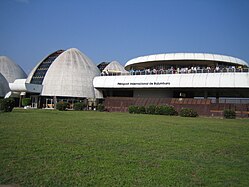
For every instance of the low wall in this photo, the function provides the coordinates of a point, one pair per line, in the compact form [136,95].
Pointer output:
[204,107]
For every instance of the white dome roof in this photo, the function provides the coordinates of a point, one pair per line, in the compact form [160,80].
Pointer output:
[10,70]
[33,71]
[115,66]
[4,86]
[70,75]
[184,57]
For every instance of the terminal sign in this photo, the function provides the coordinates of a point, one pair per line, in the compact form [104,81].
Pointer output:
[142,83]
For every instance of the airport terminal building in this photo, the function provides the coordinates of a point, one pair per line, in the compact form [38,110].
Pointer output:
[9,72]
[64,75]
[179,75]
[184,79]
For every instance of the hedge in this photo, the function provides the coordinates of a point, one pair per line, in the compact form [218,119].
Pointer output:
[133,109]
[137,109]
[229,114]
[62,105]
[7,104]
[79,106]
[188,112]
[101,107]
[26,101]
[152,109]
[165,110]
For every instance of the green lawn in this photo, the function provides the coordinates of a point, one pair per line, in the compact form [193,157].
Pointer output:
[54,148]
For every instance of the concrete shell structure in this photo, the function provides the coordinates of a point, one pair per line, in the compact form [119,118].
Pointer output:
[115,67]
[4,86]
[36,76]
[184,58]
[70,74]
[10,70]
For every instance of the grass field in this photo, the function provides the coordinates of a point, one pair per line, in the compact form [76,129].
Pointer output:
[54,148]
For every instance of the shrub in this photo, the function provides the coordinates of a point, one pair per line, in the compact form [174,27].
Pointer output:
[7,104]
[79,106]
[158,110]
[132,109]
[151,109]
[136,109]
[169,110]
[62,105]
[188,112]
[26,101]
[229,114]
[165,110]
[141,110]
[101,107]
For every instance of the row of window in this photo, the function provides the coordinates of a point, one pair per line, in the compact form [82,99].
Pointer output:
[43,68]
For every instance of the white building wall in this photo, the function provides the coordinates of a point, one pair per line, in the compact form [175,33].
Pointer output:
[193,80]
[20,85]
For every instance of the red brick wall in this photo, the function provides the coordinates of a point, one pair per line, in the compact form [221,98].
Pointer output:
[204,107]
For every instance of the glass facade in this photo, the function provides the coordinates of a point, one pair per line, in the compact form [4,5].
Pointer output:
[43,68]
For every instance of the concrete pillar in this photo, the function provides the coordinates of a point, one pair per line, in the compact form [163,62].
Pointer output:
[217,97]
[205,94]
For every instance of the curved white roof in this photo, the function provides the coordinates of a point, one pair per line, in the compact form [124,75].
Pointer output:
[4,86]
[31,74]
[115,66]
[185,56]
[10,70]
[20,85]
[70,75]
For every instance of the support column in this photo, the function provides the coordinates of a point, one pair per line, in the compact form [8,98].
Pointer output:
[205,94]
[217,97]
[20,101]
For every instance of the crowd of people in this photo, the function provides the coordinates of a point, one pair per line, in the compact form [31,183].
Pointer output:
[184,70]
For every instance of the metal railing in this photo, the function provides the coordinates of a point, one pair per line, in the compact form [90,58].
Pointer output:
[230,100]
[178,71]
